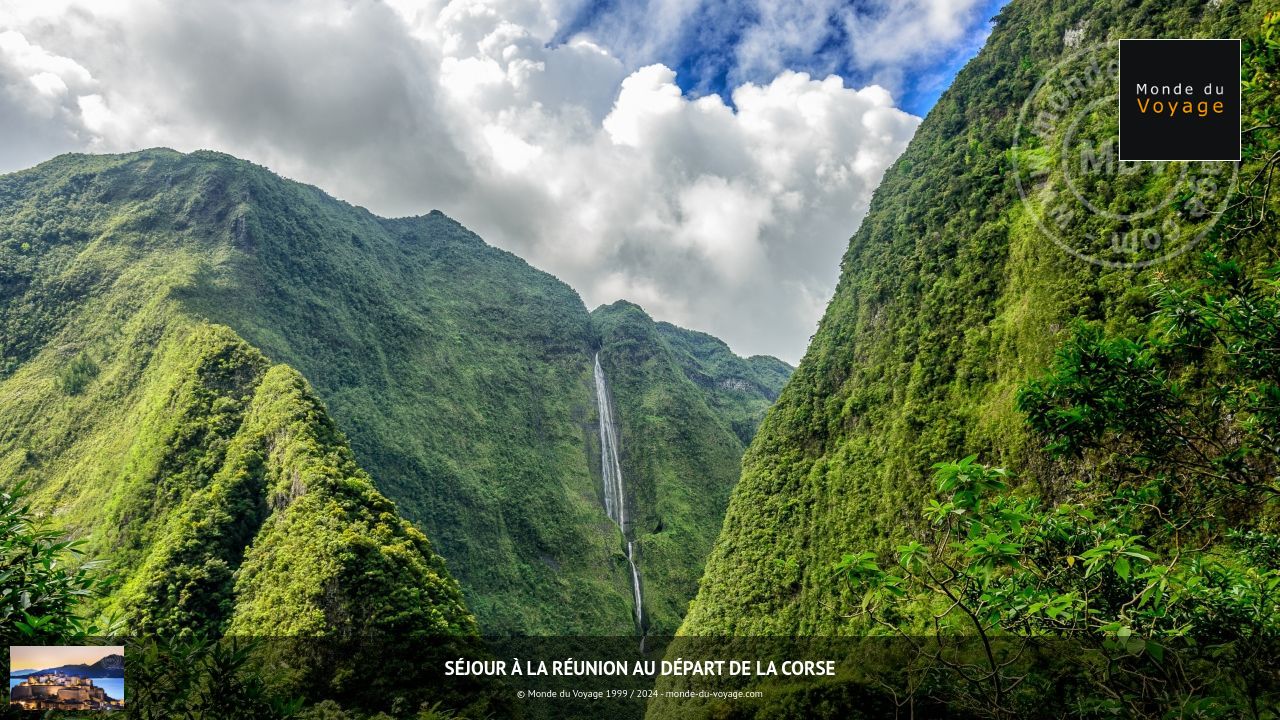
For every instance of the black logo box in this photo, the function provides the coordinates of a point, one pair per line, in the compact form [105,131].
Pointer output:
[1180,65]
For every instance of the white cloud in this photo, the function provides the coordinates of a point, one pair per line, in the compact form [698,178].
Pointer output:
[884,40]
[879,35]
[726,219]
[904,35]
[39,101]
[898,30]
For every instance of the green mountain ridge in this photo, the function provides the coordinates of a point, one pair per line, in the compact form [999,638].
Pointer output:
[677,389]
[141,296]
[949,299]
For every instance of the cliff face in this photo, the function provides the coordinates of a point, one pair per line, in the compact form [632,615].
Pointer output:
[683,403]
[206,369]
[203,454]
[950,297]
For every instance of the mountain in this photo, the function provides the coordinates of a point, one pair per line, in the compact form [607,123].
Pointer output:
[235,502]
[223,379]
[684,405]
[949,299]
[111,666]
[737,389]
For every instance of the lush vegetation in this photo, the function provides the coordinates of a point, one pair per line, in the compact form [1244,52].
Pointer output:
[287,538]
[193,677]
[950,299]
[216,487]
[48,589]
[1129,567]
[44,580]
[1161,562]
[683,402]
[141,296]
[738,389]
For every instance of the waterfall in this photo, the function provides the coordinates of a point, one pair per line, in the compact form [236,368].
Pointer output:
[615,497]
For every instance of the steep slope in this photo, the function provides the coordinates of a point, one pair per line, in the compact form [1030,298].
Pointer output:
[461,376]
[199,450]
[738,389]
[681,398]
[949,298]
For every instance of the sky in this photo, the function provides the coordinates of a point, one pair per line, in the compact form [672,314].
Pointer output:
[24,657]
[707,159]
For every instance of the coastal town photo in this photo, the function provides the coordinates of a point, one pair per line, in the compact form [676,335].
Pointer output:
[67,677]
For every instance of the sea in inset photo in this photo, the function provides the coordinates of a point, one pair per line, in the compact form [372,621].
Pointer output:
[67,677]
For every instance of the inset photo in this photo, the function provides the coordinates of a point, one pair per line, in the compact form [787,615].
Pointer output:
[67,677]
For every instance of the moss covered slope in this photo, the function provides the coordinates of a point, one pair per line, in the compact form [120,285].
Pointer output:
[949,298]
[192,463]
[140,297]
[681,398]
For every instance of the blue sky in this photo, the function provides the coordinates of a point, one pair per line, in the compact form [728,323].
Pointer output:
[705,49]
[706,159]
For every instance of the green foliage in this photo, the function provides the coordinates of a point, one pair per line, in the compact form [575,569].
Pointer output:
[330,710]
[1213,438]
[460,373]
[43,580]
[738,389]
[196,678]
[949,298]
[682,399]
[287,536]
[334,553]
[77,374]
[1196,406]
[1160,611]
[460,376]
[1156,561]
[1260,145]
[269,528]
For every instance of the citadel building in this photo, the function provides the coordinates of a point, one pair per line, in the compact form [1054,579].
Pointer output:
[56,691]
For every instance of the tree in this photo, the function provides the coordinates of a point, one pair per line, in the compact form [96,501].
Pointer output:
[1144,620]
[187,676]
[44,580]
[1154,565]
[1142,579]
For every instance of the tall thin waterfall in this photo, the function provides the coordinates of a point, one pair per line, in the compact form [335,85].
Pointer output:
[615,497]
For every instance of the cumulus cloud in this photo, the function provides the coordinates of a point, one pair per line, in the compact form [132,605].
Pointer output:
[905,35]
[873,35]
[42,98]
[727,217]
[888,42]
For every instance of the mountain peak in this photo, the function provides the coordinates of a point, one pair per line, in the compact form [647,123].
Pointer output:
[170,303]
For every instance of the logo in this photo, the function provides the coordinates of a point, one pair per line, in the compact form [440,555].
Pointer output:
[1180,100]
[1079,192]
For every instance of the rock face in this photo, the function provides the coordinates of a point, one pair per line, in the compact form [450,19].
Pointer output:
[111,663]
[680,437]
[949,299]
[146,301]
